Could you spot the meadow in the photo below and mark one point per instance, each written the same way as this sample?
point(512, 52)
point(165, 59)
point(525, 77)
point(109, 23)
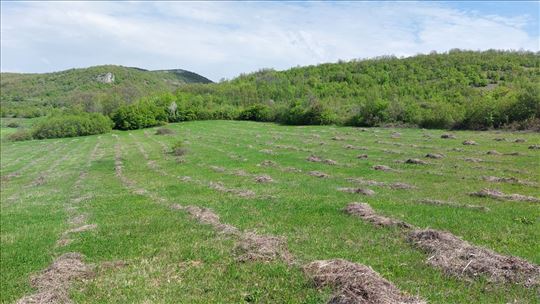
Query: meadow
point(236, 212)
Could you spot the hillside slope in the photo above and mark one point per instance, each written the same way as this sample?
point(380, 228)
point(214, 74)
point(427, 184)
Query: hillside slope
point(88, 85)
point(466, 89)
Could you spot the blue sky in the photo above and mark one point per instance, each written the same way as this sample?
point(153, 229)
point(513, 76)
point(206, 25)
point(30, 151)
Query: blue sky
point(224, 39)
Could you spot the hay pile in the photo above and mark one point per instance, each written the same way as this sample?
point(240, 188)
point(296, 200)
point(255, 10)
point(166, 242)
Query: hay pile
point(355, 283)
point(448, 136)
point(434, 155)
point(265, 248)
point(362, 156)
point(264, 179)
point(208, 217)
point(469, 143)
point(318, 174)
point(382, 168)
point(53, 283)
point(459, 258)
point(495, 194)
point(365, 212)
point(363, 191)
point(415, 161)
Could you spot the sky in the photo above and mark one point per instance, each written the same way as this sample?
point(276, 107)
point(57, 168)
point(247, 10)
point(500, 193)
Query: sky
point(224, 39)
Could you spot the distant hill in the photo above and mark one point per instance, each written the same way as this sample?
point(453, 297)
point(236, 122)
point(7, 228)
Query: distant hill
point(86, 85)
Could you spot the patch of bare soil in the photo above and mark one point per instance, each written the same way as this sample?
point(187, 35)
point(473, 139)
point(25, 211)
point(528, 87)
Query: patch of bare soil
point(459, 258)
point(495, 194)
point(266, 248)
point(264, 179)
point(318, 174)
point(469, 143)
point(448, 136)
point(365, 212)
point(363, 191)
point(415, 161)
point(53, 283)
point(452, 204)
point(382, 168)
point(355, 283)
point(434, 155)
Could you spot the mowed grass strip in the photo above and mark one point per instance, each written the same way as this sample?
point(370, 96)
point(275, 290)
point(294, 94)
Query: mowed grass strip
point(162, 262)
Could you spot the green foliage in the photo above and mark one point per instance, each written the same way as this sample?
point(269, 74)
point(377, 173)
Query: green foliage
point(139, 115)
point(20, 135)
point(256, 112)
point(70, 125)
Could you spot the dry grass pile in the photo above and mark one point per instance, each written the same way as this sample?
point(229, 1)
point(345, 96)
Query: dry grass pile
point(493, 152)
point(382, 168)
point(355, 283)
point(469, 143)
point(365, 212)
point(363, 191)
point(510, 180)
point(362, 156)
point(448, 136)
point(264, 179)
point(265, 248)
point(208, 217)
point(434, 155)
point(164, 131)
point(53, 283)
point(368, 182)
point(496, 194)
point(534, 147)
point(459, 258)
point(318, 174)
point(473, 160)
point(218, 186)
point(267, 163)
point(415, 161)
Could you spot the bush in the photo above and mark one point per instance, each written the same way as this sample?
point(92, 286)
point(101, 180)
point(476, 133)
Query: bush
point(257, 112)
point(20, 135)
point(70, 125)
point(164, 131)
point(139, 115)
point(178, 149)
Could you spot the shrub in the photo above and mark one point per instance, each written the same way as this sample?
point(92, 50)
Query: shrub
point(20, 135)
point(70, 125)
point(164, 131)
point(257, 112)
point(178, 149)
point(139, 115)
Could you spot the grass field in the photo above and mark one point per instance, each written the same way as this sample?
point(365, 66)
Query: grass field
point(109, 197)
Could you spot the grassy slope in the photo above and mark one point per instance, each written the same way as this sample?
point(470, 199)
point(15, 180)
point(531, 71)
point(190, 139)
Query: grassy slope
point(66, 85)
point(172, 258)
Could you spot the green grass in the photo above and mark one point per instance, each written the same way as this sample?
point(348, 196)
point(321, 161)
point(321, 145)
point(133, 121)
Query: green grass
point(172, 258)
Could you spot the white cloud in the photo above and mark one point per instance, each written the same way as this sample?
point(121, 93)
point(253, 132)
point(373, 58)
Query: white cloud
point(223, 39)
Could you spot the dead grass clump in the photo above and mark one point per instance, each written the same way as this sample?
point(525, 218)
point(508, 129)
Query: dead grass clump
point(113, 264)
point(362, 156)
point(178, 149)
point(164, 131)
point(396, 135)
point(318, 174)
point(510, 180)
point(330, 162)
point(534, 147)
point(495, 194)
point(348, 147)
point(355, 283)
point(459, 258)
point(401, 186)
point(337, 138)
point(469, 143)
point(217, 169)
point(315, 159)
point(493, 152)
point(415, 161)
point(263, 179)
point(499, 139)
point(53, 283)
point(208, 217)
point(448, 136)
point(363, 191)
point(473, 160)
point(367, 213)
point(434, 155)
point(266, 151)
point(519, 140)
point(382, 168)
point(265, 248)
point(267, 163)
point(218, 186)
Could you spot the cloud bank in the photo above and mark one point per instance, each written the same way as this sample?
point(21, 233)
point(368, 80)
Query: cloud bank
point(224, 39)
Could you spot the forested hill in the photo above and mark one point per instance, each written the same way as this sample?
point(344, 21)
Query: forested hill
point(89, 87)
point(456, 89)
